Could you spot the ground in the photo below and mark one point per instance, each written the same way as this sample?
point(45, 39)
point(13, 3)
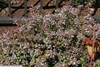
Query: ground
point(18, 9)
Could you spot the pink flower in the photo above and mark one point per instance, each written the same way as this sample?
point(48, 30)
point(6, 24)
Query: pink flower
point(91, 10)
point(30, 37)
point(21, 28)
point(86, 27)
point(91, 20)
point(59, 38)
point(29, 25)
point(36, 37)
point(80, 6)
point(26, 45)
point(38, 63)
point(15, 20)
point(72, 31)
point(80, 37)
point(6, 50)
point(76, 20)
point(46, 23)
point(62, 65)
point(68, 7)
point(97, 26)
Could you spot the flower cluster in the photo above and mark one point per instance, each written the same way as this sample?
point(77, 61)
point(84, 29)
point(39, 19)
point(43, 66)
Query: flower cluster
point(48, 40)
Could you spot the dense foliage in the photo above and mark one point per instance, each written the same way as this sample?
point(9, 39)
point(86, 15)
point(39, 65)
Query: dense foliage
point(51, 40)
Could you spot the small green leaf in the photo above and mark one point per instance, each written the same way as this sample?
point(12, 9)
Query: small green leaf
point(81, 59)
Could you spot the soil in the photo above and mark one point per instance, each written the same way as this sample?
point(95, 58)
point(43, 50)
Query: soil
point(18, 9)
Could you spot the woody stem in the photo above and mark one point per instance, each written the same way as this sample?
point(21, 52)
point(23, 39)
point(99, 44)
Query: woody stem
point(93, 43)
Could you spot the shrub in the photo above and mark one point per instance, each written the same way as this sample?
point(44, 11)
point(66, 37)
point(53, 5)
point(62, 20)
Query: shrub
point(48, 40)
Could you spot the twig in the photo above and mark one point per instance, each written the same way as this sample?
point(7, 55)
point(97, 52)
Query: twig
point(93, 43)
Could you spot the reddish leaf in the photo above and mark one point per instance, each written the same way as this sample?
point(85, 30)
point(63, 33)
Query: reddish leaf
point(87, 41)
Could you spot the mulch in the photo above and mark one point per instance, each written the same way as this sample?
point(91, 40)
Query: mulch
point(18, 10)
